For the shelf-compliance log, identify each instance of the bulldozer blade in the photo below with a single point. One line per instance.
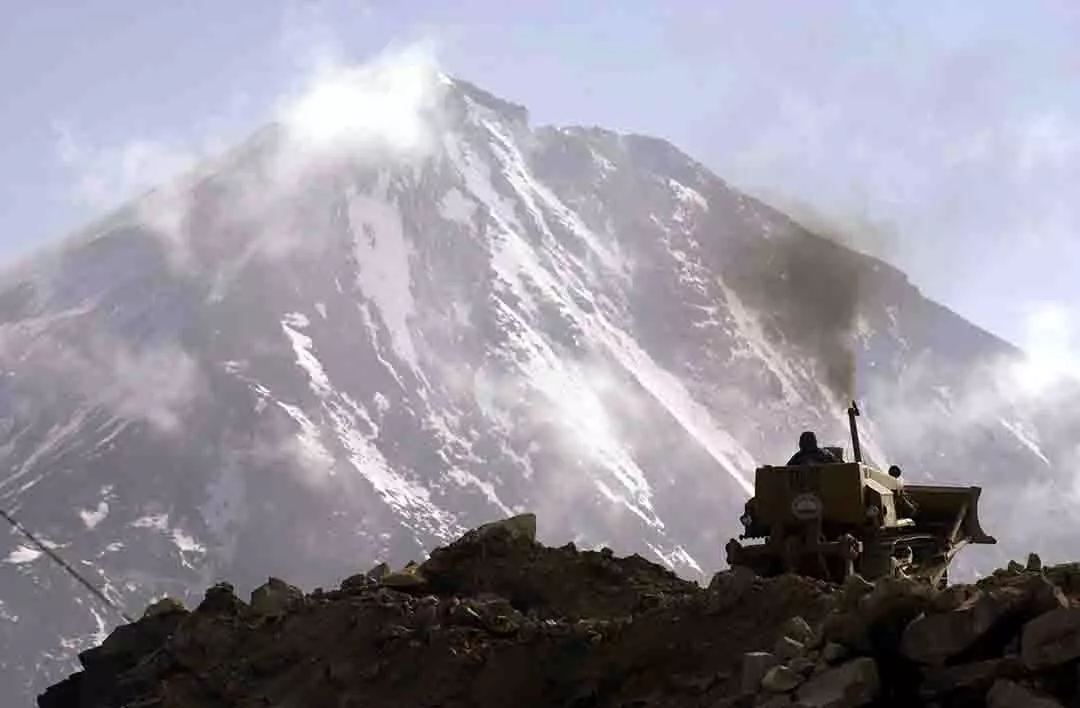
(952, 512)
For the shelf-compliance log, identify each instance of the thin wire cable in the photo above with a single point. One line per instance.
(65, 565)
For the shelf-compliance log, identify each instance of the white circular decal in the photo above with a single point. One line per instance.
(806, 506)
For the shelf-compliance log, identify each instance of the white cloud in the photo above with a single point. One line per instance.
(384, 103)
(1050, 349)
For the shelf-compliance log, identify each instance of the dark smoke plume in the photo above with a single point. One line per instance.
(817, 301)
(808, 288)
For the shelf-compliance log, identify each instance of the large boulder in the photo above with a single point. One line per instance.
(849, 685)
(406, 579)
(755, 665)
(221, 599)
(275, 598)
(992, 615)
(878, 617)
(164, 606)
(1052, 638)
(522, 526)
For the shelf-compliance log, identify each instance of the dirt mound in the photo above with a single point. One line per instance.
(496, 619)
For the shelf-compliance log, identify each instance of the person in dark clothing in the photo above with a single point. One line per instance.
(809, 453)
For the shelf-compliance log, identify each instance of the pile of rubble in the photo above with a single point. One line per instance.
(1010, 641)
(497, 619)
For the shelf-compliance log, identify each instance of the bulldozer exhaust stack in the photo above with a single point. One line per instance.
(853, 413)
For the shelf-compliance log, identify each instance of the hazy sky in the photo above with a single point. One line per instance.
(952, 127)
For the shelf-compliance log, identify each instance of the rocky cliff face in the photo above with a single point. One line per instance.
(298, 358)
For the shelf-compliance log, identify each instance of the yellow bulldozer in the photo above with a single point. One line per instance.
(829, 520)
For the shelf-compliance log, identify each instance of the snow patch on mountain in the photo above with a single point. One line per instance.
(305, 359)
(528, 188)
(1025, 438)
(152, 521)
(92, 517)
(675, 558)
(687, 195)
(23, 554)
(186, 543)
(456, 207)
(382, 255)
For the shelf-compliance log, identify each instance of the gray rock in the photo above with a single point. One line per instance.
(1052, 638)
(522, 526)
(849, 685)
(220, 599)
(934, 638)
(1034, 563)
(892, 604)
(781, 679)
(379, 572)
(729, 586)
(725, 579)
(164, 606)
(787, 648)
(798, 629)
(755, 665)
(404, 579)
(274, 598)
(1009, 694)
(355, 583)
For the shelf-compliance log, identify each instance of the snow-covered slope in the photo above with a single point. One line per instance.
(295, 369)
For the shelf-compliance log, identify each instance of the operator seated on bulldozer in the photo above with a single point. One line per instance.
(810, 454)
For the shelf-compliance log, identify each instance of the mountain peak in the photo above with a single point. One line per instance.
(514, 112)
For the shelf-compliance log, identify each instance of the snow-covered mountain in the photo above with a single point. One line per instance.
(296, 362)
